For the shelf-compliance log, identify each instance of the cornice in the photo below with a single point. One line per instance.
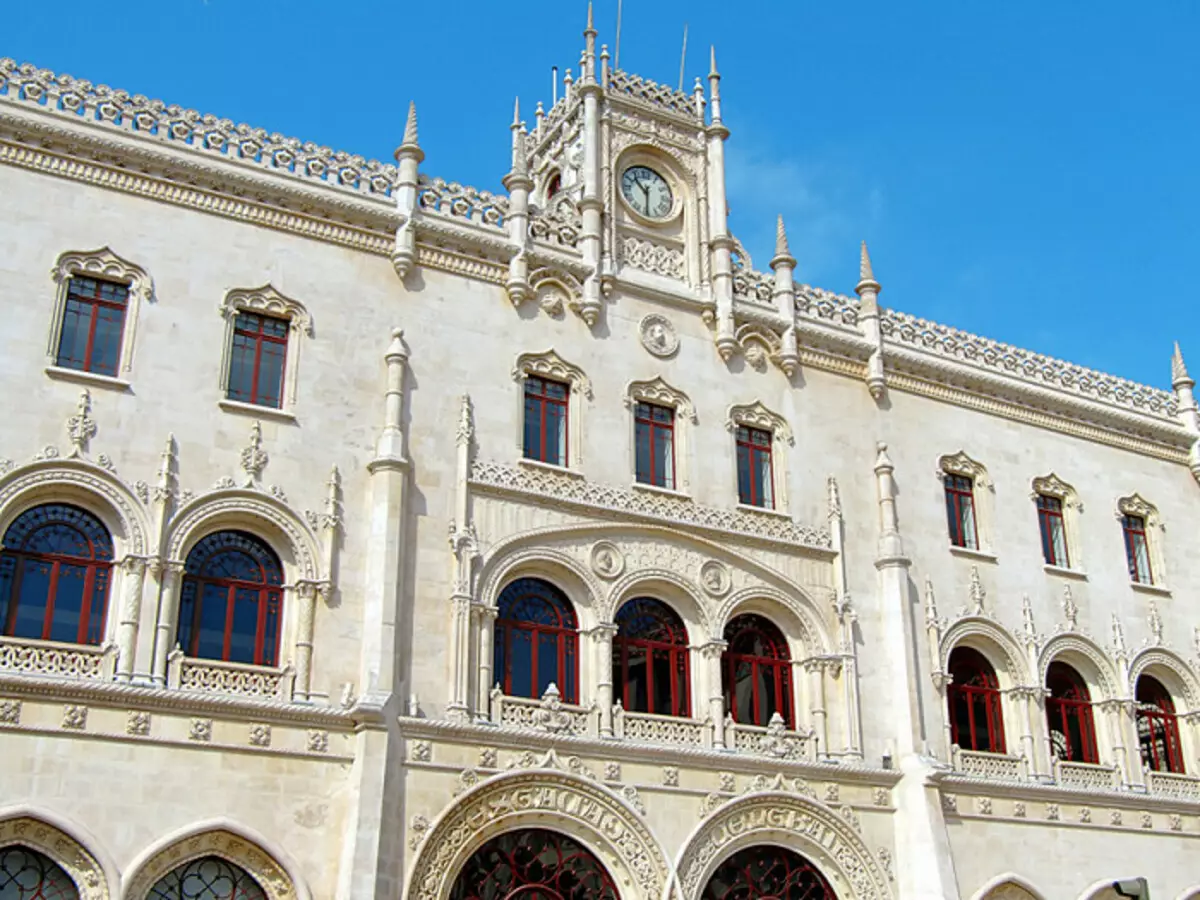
(1052, 793)
(628, 751)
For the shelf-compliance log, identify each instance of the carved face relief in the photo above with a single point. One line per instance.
(658, 336)
(647, 192)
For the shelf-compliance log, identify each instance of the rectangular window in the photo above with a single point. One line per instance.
(1137, 553)
(546, 420)
(256, 359)
(754, 467)
(1054, 534)
(960, 511)
(654, 428)
(93, 322)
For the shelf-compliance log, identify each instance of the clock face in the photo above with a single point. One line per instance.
(647, 192)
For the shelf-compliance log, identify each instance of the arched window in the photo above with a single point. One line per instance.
(1157, 727)
(756, 671)
(976, 722)
(26, 874)
(536, 640)
(207, 878)
(533, 864)
(231, 600)
(1069, 715)
(767, 873)
(54, 573)
(650, 659)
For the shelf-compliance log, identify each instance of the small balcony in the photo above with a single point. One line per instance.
(1173, 784)
(51, 659)
(992, 766)
(774, 739)
(549, 714)
(649, 728)
(1088, 776)
(212, 676)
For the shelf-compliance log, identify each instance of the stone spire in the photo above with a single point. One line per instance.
(866, 276)
(714, 86)
(1185, 396)
(784, 265)
(868, 319)
(1179, 372)
(408, 158)
(410, 144)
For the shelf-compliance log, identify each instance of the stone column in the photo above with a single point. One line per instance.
(815, 667)
(711, 653)
(460, 653)
(1029, 701)
(1122, 730)
(602, 642)
(305, 598)
(168, 620)
(486, 618)
(152, 590)
(133, 571)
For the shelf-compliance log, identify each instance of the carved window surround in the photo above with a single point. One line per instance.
(553, 367)
(657, 392)
(265, 301)
(1136, 505)
(107, 266)
(756, 415)
(983, 492)
(1053, 486)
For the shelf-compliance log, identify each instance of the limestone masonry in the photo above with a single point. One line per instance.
(369, 536)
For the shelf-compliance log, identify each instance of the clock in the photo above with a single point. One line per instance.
(647, 192)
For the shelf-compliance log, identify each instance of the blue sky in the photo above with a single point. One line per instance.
(1029, 171)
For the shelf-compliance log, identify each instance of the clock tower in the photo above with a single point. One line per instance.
(622, 181)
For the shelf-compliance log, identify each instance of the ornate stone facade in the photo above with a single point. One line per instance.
(385, 739)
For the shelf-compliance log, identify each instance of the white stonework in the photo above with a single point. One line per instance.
(380, 750)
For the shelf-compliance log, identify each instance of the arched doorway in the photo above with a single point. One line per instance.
(533, 864)
(767, 872)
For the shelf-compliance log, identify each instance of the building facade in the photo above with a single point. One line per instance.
(367, 535)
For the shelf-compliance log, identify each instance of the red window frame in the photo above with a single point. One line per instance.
(753, 445)
(541, 395)
(533, 863)
(960, 495)
(655, 617)
(26, 543)
(767, 872)
(267, 589)
(1158, 727)
(749, 630)
(974, 682)
(510, 624)
(1050, 510)
(1133, 528)
(1069, 704)
(86, 299)
(657, 423)
(258, 331)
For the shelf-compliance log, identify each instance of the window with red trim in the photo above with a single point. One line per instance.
(546, 420)
(533, 864)
(654, 438)
(55, 568)
(257, 358)
(92, 325)
(1069, 715)
(1053, 530)
(536, 640)
(1137, 551)
(230, 604)
(1157, 727)
(650, 659)
(976, 720)
(767, 872)
(960, 511)
(756, 671)
(755, 480)
(26, 874)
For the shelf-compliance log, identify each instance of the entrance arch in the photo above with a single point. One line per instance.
(767, 872)
(593, 817)
(533, 864)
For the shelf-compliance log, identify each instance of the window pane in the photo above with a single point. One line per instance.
(960, 712)
(642, 444)
(547, 663)
(31, 603)
(664, 459)
(533, 428)
(241, 369)
(635, 681)
(967, 511)
(521, 663)
(745, 484)
(662, 682)
(743, 691)
(556, 434)
(210, 640)
(763, 465)
(1141, 559)
(72, 343)
(68, 603)
(106, 347)
(766, 694)
(1058, 540)
(244, 635)
(270, 374)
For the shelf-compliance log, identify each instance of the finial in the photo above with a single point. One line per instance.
(712, 56)
(977, 592)
(396, 349)
(1156, 624)
(591, 28)
(466, 421)
(81, 427)
(1179, 372)
(931, 612)
(516, 122)
(410, 126)
(1027, 617)
(254, 457)
(882, 460)
(1118, 636)
(781, 242)
(520, 156)
(835, 499)
(866, 277)
(1071, 610)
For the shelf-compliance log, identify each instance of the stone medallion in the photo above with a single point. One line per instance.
(658, 336)
(607, 559)
(714, 576)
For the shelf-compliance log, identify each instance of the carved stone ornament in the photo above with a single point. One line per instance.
(756, 415)
(715, 578)
(550, 365)
(83, 868)
(262, 867)
(10, 712)
(1053, 486)
(658, 392)
(75, 717)
(268, 301)
(961, 464)
(658, 336)
(1136, 505)
(137, 723)
(607, 559)
(576, 805)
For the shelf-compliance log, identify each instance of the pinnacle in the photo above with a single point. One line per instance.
(517, 112)
(1179, 371)
(410, 127)
(590, 25)
(864, 265)
(781, 241)
(520, 160)
(712, 55)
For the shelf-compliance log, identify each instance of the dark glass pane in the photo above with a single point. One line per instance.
(72, 342)
(638, 699)
(521, 662)
(270, 640)
(68, 603)
(26, 874)
(211, 633)
(556, 426)
(642, 442)
(570, 690)
(207, 878)
(270, 374)
(960, 713)
(106, 345)
(241, 369)
(8, 571)
(664, 677)
(767, 872)
(30, 621)
(766, 694)
(187, 613)
(743, 691)
(533, 428)
(532, 864)
(547, 663)
(745, 478)
(243, 635)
